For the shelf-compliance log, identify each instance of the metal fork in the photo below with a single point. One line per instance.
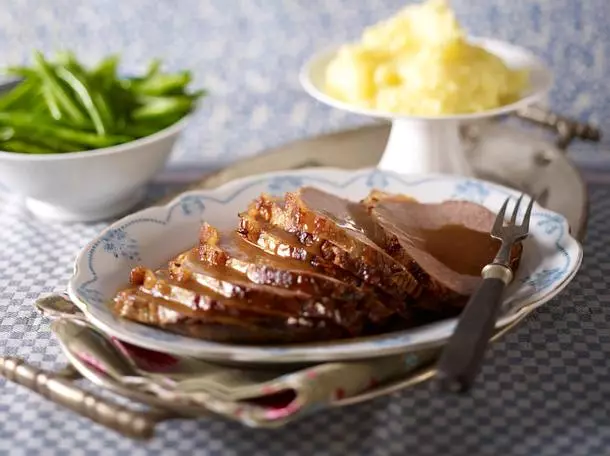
(461, 358)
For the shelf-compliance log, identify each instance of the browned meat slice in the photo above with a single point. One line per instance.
(338, 230)
(220, 323)
(232, 252)
(450, 242)
(186, 299)
(376, 196)
(282, 267)
(330, 259)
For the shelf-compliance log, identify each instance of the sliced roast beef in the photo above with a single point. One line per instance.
(220, 293)
(449, 241)
(276, 265)
(313, 266)
(376, 196)
(231, 251)
(221, 322)
(338, 230)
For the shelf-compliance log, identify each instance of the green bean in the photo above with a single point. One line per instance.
(6, 133)
(104, 77)
(24, 72)
(117, 99)
(36, 125)
(156, 107)
(153, 68)
(51, 103)
(79, 86)
(65, 58)
(103, 106)
(163, 84)
(38, 109)
(24, 147)
(98, 89)
(149, 126)
(64, 100)
(13, 98)
(198, 94)
(139, 131)
(19, 135)
(45, 140)
(106, 69)
(61, 106)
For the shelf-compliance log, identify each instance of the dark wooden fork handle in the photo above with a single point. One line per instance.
(461, 358)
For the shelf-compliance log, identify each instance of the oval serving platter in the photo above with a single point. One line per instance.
(153, 236)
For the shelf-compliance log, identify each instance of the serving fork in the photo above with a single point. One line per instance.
(461, 357)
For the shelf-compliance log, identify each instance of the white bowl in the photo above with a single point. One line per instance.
(89, 185)
(431, 144)
(313, 80)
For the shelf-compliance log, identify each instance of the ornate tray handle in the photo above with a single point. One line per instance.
(131, 423)
(567, 129)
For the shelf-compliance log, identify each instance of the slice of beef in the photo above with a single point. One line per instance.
(330, 259)
(163, 300)
(208, 287)
(284, 266)
(376, 196)
(278, 243)
(449, 241)
(340, 231)
(230, 251)
(218, 324)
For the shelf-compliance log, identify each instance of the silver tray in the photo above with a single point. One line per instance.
(500, 152)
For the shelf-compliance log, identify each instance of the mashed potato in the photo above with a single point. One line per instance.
(419, 63)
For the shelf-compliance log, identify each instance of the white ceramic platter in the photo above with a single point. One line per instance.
(153, 236)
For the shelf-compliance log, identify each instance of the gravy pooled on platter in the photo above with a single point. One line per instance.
(450, 241)
(461, 249)
(313, 266)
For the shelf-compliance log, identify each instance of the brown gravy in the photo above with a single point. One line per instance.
(461, 249)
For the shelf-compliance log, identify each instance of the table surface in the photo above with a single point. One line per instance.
(545, 389)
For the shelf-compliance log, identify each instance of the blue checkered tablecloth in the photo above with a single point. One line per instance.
(546, 387)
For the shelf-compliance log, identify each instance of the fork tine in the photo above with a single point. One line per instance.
(500, 217)
(526, 218)
(513, 219)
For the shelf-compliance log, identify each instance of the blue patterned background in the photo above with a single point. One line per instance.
(248, 52)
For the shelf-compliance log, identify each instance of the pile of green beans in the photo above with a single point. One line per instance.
(61, 106)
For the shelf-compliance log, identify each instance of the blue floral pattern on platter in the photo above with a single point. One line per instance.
(377, 180)
(120, 244)
(471, 190)
(154, 235)
(191, 204)
(281, 184)
(545, 278)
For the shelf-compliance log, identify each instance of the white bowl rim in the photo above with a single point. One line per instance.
(315, 92)
(83, 154)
